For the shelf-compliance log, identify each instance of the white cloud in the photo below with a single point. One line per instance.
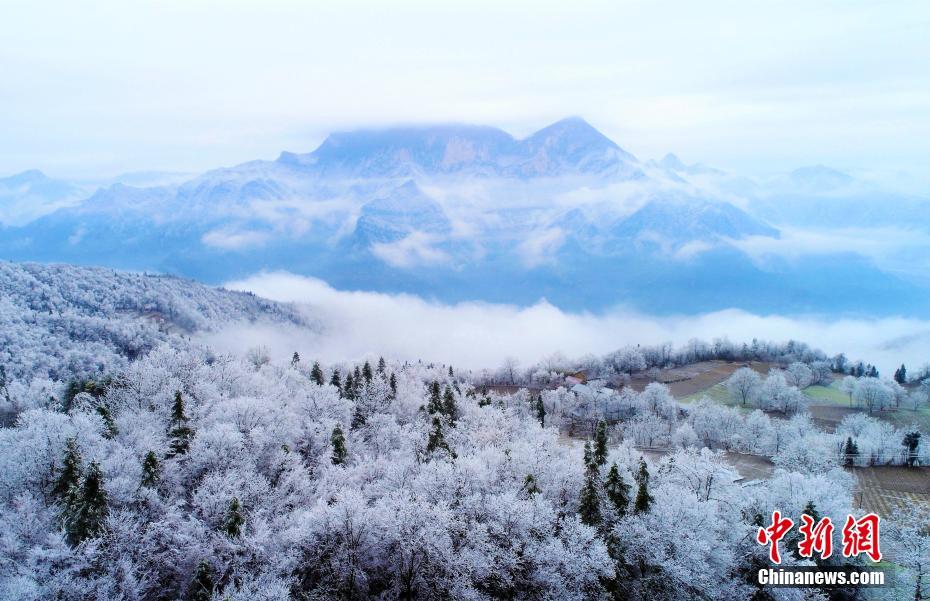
(232, 239)
(892, 248)
(477, 335)
(540, 247)
(414, 249)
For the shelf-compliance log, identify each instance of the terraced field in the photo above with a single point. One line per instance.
(886, 489)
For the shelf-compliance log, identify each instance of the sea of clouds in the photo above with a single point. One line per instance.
(481, 335)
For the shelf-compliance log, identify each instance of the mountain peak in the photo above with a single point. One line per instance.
(25, 177)
(671, 161)
(567, 146)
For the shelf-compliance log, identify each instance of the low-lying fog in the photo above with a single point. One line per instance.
(479, 335)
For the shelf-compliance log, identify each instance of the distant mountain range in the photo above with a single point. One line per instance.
(461, 212)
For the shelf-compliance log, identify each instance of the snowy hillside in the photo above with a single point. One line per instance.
(63, 321)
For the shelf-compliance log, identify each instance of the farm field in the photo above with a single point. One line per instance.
(886, 489)
(691, 382)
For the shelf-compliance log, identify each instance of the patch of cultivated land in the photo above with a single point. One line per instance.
(886, 489)
(690, 381)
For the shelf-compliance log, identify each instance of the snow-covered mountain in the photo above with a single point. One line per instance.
(30, 194)
(463, 212)
(568, 147)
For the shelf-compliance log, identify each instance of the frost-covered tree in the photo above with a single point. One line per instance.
(743, 384)
(872, 394)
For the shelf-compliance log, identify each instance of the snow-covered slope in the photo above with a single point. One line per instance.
(59, 321)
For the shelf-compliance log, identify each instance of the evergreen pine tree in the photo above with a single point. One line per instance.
(451, 372)
(617, 490)
(335, 380)
(234, 519)
(540, 411)
(295, 359)
(109, 424)
(70, 476)
(589, 463)
(180, 433)
(151, 470)
(437, 439)
(900, 375)
(338, 442)
(366, 372)
(850, 452)
(87, 509)
(358, 417)
(435, 399)
(911, 442)
(381, 365)
(350, 387)
(449, 407)
(643, 498)
(392, 382)
(600, 443)
(201, 588)
(356, 382)
(316, 373)
(588, 506)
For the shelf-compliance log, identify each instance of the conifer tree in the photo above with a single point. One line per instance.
(180, 433)
(600, 443)
(900, 375)
(70, 475)
(850, 452)
(358, 417)
(86, 510)
(201, 588)
(643, 498)
(437, 439)
(589, 508)
(338, 442)
(540, 411)
(234, 519)
(589, 503)
(336, 381)
(151, 470)
(295, 359)
(451, 372)
(617, 490)
(316, 373)
(350, 387)
(366, 372)
(392, 382)
(356, 381)
(381, 365)
(911, 442)
(435, 399)
(589, 463)
(109, 424)
(449, 407)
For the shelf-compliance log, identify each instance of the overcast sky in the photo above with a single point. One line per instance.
(187, 85)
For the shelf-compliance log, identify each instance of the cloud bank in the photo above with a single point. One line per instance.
(480, 335)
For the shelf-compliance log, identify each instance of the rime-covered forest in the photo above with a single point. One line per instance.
(138, 464)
